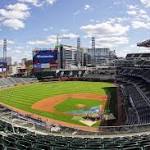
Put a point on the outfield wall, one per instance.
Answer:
(76, 75)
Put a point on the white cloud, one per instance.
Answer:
(105, 28)
(38, 3)
(139, 18)
(132, 12)
(117, 2)
(139, 24)
(14, 23)
(70, 35)
(116, 40)
(118, 20)
(51, 2)
(146, 2)
(111, 41)
(64, 30)
(13, 16)
(38, 42)
(87, 7)
(132, 7)
(48, 29)
(109, 33)
(52, 39)
(45, 29)
(9, 42)
(18, 7)
(92, 20)
(33, 2)
(20, 51)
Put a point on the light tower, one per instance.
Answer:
(5, 55)
(78, 52)
(5, 50)
(60, 37)
(93, 49)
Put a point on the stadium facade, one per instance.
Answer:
(101, 56)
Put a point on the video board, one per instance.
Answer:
(44, 59)
(3, 66)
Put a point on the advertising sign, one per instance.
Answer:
(44, 59)
(3, 67)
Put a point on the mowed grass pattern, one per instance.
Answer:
(72, 104)
(24, 96)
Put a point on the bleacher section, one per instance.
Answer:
(135, 84)
(20, 132)
(16, 138)
(103, 74)
(7, 82)
(139, 105)
(40, 142)
(143, 73)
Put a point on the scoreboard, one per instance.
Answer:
(3, 67)
(45, 59)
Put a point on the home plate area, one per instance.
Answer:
(84, 121)
(89, 117)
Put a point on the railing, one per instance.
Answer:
(111, 131)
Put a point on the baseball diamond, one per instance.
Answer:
(56, 100)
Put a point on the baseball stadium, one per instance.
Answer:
(76, 109)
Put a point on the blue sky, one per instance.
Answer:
(117, 24)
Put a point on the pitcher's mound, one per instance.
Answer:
(81, 106)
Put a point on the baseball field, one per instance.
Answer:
(64, 102)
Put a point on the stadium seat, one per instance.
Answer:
(60, 148)
(1, 146)
(11, 148)
(146, 147)
(132, 148)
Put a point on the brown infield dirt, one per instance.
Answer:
(48, 105)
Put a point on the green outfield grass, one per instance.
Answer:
(71, 104)
(24, 96)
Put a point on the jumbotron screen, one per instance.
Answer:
(43, 59)
(3, 67)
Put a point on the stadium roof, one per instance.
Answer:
(137, 55)
(144, 43)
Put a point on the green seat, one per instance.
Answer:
(146, 147)
(132, 148)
